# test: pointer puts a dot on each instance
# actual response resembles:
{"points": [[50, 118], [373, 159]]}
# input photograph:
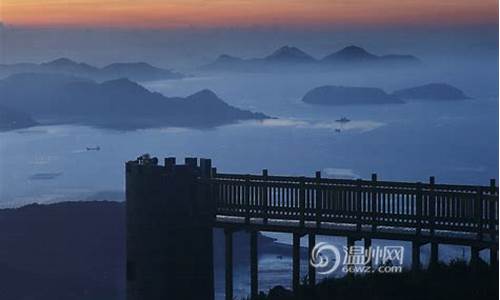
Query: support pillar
{"points": [[254, 261], [368, 250], [494, 257], [296, 263], [434, 255], [312, 270], [229, 264], [415, 253], [350, 244], [474, 257]]}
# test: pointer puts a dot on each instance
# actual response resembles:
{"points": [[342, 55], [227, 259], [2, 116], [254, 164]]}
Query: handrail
{"points": [[421, 206]]}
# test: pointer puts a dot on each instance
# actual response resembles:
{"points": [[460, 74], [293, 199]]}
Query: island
{"points": [[355, 56], [137, 71], [11, 119], [116, 104], [343, 95], [432, 91]]}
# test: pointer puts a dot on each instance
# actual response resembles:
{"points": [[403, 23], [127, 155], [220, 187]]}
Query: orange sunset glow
{"points": [[213, 13]]}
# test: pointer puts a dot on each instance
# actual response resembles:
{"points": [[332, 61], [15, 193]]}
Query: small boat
{"points": [[343, 120], [337, 129], [93, 148], [279, 257]]}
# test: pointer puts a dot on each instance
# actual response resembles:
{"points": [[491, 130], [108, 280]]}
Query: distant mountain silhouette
{"points": [[431, 91], [293, 57], [120, 103], [12, 119], [341, 95], [66, 65], [138, 71], [358, 55], [350, 53], [287, 54]]}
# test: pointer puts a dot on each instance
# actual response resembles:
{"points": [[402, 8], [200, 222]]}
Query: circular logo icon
{"points": [[324, 263]]}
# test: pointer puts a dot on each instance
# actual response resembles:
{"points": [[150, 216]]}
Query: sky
{"points": [[241, 13]]}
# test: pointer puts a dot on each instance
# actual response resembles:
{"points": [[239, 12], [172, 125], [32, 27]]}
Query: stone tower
{"points": [[169, 230]]}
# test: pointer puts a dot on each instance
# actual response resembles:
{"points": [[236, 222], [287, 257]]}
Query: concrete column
{"points": [[254, 261], [474, 257], [350, 244], [312, 270], [415, 253], [368, 245], [229, 264], [296, 263], [494, 257], [434, 255]]}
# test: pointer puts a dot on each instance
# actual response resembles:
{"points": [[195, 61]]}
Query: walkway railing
{"points": [[421, 206]]}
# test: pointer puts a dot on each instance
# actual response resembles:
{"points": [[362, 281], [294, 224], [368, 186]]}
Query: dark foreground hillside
{"points": [[63, 251], [76, 250], [456, 281]]}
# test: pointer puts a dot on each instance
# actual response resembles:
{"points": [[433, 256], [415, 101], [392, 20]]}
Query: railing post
{"points": [[432, 213], [478, 212], [418, 204], [246, 190], [254, 262], [359, 211], [302, 201], [319, 199], [311, 268], [374, 197], [296, 263], [432, 205], [229, 263], [265, 195]]}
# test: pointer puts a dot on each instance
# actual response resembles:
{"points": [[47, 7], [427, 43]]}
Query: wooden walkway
{"points": [[460, 214], [357, 209]]}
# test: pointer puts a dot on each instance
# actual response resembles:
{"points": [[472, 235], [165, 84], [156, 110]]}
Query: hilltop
{"points": [[138, 71], [342, 95], [118, 104], [432, 91], [289, 57]]}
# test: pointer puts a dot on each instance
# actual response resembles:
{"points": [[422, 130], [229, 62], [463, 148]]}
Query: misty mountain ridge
{"points": [[138, 71], [432, 91], [289, 54], [350, 53], [293, 57], [349, 95], [118, 104]]}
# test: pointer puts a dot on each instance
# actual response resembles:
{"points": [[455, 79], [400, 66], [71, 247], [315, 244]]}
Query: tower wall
{"points": [[169, 231]]}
